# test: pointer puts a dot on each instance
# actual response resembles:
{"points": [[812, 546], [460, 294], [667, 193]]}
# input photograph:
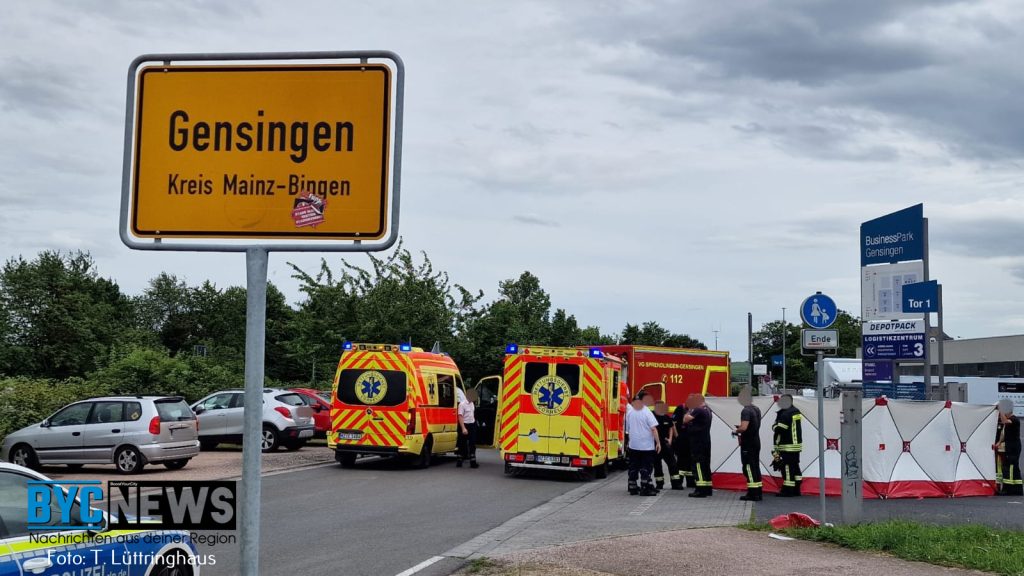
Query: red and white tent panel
{"points": [[911, 449]]}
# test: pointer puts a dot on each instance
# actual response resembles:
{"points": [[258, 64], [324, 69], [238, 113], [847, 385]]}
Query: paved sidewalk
{"points": [[603, 509], [704, 551]]}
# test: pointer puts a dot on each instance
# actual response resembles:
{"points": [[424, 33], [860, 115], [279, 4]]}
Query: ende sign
{"points": [[262, 151], [820, 339]]}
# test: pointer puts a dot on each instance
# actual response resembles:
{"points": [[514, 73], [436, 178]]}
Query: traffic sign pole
{"points": [[255, 346], [942, 348], [820, 364]]}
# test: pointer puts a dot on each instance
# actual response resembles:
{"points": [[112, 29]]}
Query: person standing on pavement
{"points": [[1008, 451], [698, 421], [666, 434], [644, 446], [749, 433], [788, 434], [467, 430], [681, 446]]}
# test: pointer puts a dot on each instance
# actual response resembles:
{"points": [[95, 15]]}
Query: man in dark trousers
{"points": [[749, 433], [644, 445], [681, 446], [666, 432], [1008, 450], [698, 422], [788, 434]]}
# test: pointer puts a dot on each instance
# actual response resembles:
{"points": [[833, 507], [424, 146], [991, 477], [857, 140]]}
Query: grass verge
{"points": [[965, 546]]}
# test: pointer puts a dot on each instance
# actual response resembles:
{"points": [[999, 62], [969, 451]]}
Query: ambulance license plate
{"points": [[350, 435], [547, 459], [305, 433]]}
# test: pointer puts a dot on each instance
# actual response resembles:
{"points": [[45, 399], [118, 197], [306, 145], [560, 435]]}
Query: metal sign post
{"points": [[262, 152], [820, 366], [818, 312], [255, 344], [851, 434]]}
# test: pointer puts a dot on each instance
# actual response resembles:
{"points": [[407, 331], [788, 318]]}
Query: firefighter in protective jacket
{"points": [[698, 422], [666, 457], [1008, 451], [748, 431], [788, 433]]}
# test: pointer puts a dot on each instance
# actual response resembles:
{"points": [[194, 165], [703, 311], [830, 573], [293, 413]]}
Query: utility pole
{"points": [[750, 350], [716, 338], [784, 347]]}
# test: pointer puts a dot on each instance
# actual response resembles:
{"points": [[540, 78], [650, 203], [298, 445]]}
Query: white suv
{"points": [[287, 420]]}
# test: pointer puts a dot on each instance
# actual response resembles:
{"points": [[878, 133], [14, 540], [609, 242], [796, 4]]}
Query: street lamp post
{"points": [[783, 348]]}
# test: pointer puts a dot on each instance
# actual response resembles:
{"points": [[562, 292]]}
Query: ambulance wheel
{"points": [[347, 459], [601, 472], [423, 460]]}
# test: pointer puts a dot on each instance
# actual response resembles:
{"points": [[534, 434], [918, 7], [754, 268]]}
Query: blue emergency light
{"points": [[512, 349], [346, 346], [596, 353], [405, 347]]}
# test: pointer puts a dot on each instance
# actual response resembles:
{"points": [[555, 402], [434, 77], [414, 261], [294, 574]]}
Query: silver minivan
{"points": [[127, 431]]}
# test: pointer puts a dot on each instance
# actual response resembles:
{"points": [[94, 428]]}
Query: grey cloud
{"points": [[805, 58], [531, 220], [43, 91], [822, 142], [988, 237]]}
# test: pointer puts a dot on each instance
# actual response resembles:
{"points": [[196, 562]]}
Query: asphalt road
{"points": [[381, 517]]}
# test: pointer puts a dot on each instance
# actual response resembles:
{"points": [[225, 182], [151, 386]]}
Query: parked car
{"points": [[321, 409], [127, 431], [287, 419], [62, 550]]}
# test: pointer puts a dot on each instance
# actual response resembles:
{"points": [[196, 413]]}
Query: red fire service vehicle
{"points": [[672, 374]]}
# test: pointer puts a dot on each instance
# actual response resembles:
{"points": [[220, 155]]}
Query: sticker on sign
{"points": [[820, 339]]}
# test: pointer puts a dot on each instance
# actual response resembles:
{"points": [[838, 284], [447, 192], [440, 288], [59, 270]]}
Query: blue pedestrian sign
{"points": [[818, 311]]}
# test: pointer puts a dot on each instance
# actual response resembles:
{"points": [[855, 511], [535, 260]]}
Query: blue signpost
{"points": [[818, 311], [894, 346], [896, 237], [921, 297]]}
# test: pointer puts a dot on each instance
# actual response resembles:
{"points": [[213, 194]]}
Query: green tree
{"points": [[60, 317], [653, 334], [564, 330], [799, 368]]}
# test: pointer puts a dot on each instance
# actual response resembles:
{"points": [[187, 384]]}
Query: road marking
{"points": [[645, 505], [421, 566]]}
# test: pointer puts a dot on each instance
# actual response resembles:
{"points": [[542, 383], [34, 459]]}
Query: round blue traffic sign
{"points": [[818, 311]]}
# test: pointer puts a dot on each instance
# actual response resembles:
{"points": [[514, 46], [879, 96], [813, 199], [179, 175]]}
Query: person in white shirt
{"points": [[467, 430], [644, 445]]}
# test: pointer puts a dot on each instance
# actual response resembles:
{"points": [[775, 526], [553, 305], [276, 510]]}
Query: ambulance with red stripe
{"points": [[561, 409], [393, 400]]}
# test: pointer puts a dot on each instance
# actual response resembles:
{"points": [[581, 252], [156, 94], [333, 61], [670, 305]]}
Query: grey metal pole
{"points": [[820, 364], [255, 343], [942, 348], [927, 326], [852, 434], [750, 350], [784, 330]]}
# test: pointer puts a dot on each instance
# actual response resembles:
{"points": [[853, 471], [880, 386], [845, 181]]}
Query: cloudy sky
{"points": [[680, 161]]}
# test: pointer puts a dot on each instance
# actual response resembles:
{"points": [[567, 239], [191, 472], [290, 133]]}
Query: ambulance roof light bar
{"points": [[346, 346], [405, 347], [596, 353], [512, 349]]}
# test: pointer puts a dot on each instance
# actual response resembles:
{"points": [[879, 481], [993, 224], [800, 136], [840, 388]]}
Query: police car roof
{"points": [[6, 466]]}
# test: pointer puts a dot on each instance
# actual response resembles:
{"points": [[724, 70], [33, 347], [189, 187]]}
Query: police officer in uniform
{"points": [[698, 422], [749, 434], [666, 431], [681, 446], [1008, 451], [788, 430]]}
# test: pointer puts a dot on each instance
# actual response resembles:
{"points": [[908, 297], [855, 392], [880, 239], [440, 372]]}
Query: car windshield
{"points": [[173, 410]]}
